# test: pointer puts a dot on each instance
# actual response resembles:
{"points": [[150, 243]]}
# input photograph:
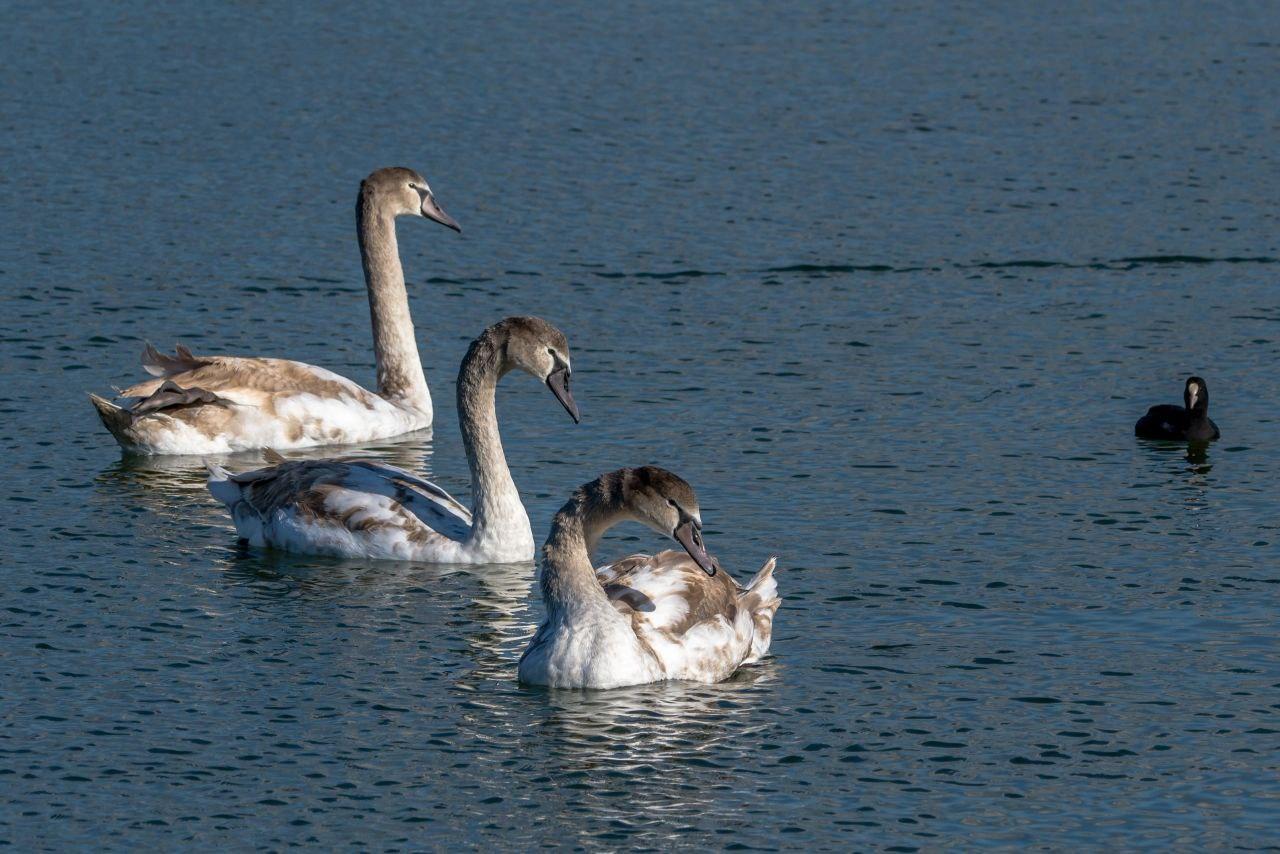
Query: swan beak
{"points": [[690, 537], [431, 210], [558, 382]]}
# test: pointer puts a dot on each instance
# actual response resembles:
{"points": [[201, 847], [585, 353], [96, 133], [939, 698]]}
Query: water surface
{"points": [[888, 286]]}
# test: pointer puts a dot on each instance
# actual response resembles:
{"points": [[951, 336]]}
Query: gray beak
{"points": [[558, 382], [431, 210], [689, 535]]}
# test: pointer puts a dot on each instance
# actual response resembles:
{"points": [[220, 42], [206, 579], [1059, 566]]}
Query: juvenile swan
{"points": [[364, 509], [216, 404], [642, 618], [1189, 423]]}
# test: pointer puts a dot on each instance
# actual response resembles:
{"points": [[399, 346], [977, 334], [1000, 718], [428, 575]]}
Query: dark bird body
{"points": [[1188, 423]]}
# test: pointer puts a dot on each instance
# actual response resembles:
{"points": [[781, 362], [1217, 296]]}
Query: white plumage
{"points": [[348, 508], [644, 618], [364, 509], [255, 403], [224, 404]]}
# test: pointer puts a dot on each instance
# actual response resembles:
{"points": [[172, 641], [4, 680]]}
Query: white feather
{"points": [[642, 639]]}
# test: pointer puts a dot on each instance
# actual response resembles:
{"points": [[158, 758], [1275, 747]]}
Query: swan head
{"points": [[667, 504], [538, 348], [404, 192], [1196, 394]]}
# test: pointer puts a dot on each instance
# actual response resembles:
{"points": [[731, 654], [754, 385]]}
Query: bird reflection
{"points": [[501, 613], [173, 487], [619, 729], [1195, 453], [1198, 455], [496, 590]]}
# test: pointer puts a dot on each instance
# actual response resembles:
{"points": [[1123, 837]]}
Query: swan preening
{"points": [[643, 618], [1190, 422], [218, 404], [365, 509]]}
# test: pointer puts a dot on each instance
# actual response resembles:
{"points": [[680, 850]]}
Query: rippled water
{"points": [[888, 286]]}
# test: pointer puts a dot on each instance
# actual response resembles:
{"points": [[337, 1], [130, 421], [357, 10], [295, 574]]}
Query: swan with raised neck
{"points": [[364, 509], [643, 618], [219, 404]]}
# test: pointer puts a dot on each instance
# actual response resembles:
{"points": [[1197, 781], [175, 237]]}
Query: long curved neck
{"points": [[498, 520], [400, 375], [568, 578]]}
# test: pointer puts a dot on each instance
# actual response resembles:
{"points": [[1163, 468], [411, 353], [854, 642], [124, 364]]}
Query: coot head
{"points": [[1196, 395]]}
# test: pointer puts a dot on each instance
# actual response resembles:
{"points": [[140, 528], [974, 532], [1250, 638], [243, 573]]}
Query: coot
{"points": [[1181, 423]]}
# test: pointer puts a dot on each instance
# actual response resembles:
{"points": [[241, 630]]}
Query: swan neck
{"points": [[498, 516], [400, 376], [568, 577]]}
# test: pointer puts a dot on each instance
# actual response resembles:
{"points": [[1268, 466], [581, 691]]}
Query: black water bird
{"points": [[1189, 423]]}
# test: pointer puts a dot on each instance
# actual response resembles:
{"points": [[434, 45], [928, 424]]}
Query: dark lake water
{"points": [[889, 286]]}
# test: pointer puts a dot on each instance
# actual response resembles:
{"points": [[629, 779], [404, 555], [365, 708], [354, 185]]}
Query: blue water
{"points": [[888, 285]]}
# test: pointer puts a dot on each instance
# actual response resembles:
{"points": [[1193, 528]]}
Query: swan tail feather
{"points": [[221, 485], [116, 419], [163, 365], [760, 597]]}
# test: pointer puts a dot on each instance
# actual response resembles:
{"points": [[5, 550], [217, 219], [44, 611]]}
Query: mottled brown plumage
{"points": [[358, 508], [643, 618], [216, 404]]}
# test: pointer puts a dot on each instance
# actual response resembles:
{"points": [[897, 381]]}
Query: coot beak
{"points": [[558, 382], [431, 210], [689, 535]]}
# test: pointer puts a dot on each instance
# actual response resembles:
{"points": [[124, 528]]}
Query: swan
{"points": [[220, 404], [363, 509], [1181, 423], [642, 618]]}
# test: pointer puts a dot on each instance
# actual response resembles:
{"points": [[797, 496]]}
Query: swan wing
{"points": [[215, 404], [698, 626], [243, 380], [668, 592], [350, 507]]}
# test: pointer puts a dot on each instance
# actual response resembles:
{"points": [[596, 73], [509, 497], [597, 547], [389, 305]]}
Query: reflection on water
{"points": [[654, 725], [631, 759], [174, 487], [411, 452], [491, 600], [499, 591], [1198, 454], [1195, 453]]}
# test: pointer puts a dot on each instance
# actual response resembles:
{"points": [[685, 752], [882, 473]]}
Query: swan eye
{"points": [[673, 504]]}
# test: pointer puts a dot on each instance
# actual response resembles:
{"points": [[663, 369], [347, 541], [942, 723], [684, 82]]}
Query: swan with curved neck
{"points": [[643, 618], [364, 509], [220, 404]]}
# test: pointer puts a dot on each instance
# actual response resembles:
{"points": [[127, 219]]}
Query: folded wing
{"points": [[699, 626], [348, 507]]}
